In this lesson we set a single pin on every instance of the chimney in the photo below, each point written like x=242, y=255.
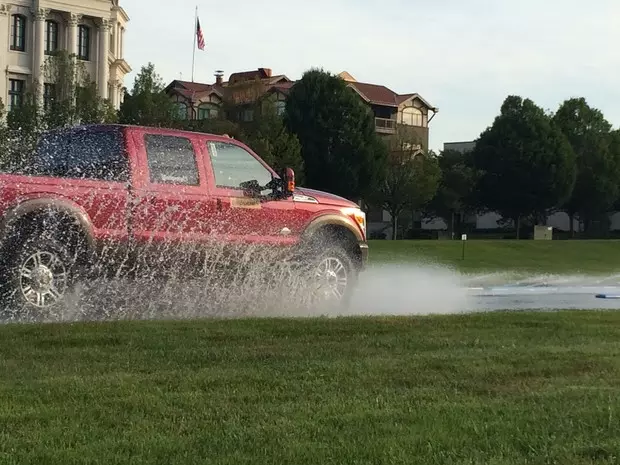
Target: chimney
x=265, y=71
x=219, y=74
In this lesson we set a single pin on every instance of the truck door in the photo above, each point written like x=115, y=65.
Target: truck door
x=241, y=218
x=171, y=207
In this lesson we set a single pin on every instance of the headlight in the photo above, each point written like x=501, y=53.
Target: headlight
x=358, y=216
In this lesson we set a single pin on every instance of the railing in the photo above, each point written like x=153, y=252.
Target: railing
x=385, y=125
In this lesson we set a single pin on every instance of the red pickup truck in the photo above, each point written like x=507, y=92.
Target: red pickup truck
x=103, y=198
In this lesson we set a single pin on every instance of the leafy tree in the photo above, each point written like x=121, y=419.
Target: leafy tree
x=90, y=108
x=4, y=137
x=597, y=157
x=340, y=149
x=528, y=165
x=410, y=178
x=269, y=137
x=218, y=125
x=75, y=98
x=264, y=131
x=148, y=104
x=456, y=191
x=22, y=130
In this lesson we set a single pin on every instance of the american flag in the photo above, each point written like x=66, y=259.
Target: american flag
x=200, y=37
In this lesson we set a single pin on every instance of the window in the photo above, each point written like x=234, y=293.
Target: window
x=83, y=42
x=208, y=110
x=16, y=93
x=181, y=110
x=233, y=165
x=280, y=107
x=18, y=33
x=412, y=116
x=82, y=154
x=49, y=93
x=171, y=160
x=246, y=115
x=51, y=37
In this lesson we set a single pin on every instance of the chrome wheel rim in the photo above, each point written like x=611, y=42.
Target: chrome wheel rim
x=43, y=279
x=332, y=277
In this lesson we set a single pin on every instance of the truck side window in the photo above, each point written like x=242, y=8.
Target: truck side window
x=171, y=160
x=233, y=165
x=82, y=154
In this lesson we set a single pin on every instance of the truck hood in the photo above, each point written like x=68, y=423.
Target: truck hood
x=325, y=198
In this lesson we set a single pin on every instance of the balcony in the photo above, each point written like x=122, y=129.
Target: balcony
x=385, y=125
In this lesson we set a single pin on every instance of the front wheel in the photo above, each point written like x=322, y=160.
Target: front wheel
x=332, y=277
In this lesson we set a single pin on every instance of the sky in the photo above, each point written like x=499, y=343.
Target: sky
x=463, y=56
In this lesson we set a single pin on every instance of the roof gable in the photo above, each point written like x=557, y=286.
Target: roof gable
x=376, y=94
x=192, y=90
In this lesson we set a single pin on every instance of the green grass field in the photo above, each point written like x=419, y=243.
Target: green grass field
x=497, y=389
x=480, y=389
x=566, y=257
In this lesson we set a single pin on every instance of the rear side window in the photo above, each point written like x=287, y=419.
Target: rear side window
x=82, y=154
x=171, y=160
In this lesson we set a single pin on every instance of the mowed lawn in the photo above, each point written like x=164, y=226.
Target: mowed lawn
x=498, y=388
x=564, y=256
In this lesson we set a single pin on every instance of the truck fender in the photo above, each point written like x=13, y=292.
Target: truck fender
x=331, y=220
x=33, y=206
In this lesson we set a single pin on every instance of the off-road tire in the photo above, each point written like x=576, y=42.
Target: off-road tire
x=325, y=268
x=39, y=276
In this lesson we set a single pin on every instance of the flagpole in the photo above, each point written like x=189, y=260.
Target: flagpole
x=195, y=33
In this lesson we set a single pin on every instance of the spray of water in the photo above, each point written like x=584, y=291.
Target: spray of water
x=173, y=279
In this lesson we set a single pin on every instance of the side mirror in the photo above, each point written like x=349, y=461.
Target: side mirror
x=289, y=179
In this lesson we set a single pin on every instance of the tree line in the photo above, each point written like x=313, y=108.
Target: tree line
x=525, y=166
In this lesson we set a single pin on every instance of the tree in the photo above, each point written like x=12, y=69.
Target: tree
x=75, y=97
x=4, y=138
x=456, y=190
x=340, y=150
x=22, y=131
x=528, y=165
x=269, y=137
x=409, y=180
x=148, y=104
x=597, y=158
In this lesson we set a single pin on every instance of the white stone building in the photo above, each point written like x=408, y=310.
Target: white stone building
x=30, y=30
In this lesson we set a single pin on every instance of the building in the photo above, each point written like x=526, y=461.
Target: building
x=201, y=101
x=462, y=147
x=93, y=30
x=391, y=109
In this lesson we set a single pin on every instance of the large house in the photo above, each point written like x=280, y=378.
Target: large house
x=93, y=30
x=391, y=109
x=200, y=101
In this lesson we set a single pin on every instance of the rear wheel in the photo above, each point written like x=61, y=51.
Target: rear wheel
x=39, y=276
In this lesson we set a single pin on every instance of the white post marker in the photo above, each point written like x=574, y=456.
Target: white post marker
x=463, y=240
